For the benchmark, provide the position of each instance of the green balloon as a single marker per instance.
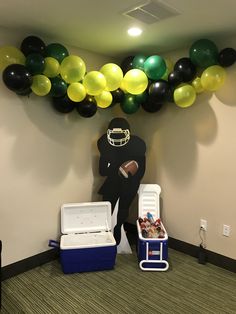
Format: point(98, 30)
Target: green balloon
point(204, 53)
point(141, 98)
point(57, 51)
point(59, 87)
point(154, 67)
point(138, 62)
point(129, 104)
point(35, 63)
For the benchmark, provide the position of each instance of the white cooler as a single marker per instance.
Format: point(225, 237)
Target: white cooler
point(87, 243)
point(152, 252)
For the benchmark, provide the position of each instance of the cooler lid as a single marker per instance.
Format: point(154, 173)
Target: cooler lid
point(85, 217)
point(149, 200)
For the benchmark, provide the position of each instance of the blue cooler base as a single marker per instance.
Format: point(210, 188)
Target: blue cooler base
point(154, 252)
point(88, 259)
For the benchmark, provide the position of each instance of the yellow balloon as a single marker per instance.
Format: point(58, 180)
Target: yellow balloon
point(135, 81)
point(41, 85)
point(197, 85)
point(184, 95)
point(169, 64)
point(169, 68)
point(122, 87)
point(76, 92)
point(104, 100)
point(72, 69)
point(165, 76)
point(52, 67)
point(10, 55)
point(113, 75)
point(213, 78)
point(94, 83)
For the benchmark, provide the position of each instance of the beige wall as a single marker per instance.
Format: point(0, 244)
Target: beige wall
point(191, 154)
point(48, 159)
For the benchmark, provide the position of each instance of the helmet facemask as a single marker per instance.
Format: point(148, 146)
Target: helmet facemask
point(118, 136)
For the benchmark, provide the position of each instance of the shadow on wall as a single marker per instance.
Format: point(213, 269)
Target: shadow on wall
point(46, 144)
point(172, 136)
point(97, 179)
point(179, 139)
point(227, 93)
point(50, 154)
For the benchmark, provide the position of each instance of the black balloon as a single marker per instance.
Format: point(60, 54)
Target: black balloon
point(87, 108)
point(151, 106)
point(63, 104)
point(117, 96)
point(186, 68)
point(175, 78)
point(159, 91)
point(25, 92)
point(171, 94)
point(126, 64)
point(17, 78)
point(32, 44)
point(227, 57)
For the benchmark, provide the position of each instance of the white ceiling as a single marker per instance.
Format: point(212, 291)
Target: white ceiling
point(100, 26)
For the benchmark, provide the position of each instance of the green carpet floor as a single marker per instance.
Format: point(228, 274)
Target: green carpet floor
point(187, 287)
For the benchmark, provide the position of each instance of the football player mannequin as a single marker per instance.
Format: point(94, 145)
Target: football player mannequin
point(116, 147)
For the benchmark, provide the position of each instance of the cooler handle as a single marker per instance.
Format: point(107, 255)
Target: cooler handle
point(53, 243)
point(156, 262)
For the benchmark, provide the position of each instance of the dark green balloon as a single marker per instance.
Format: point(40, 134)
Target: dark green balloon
point(203, 53)
point(138, 62)
point(59, 87)
point(35, 63)
point(129, 104)
point(57, 51)
point(141, 98)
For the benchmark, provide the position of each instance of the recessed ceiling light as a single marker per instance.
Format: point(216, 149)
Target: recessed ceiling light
point(134, 31)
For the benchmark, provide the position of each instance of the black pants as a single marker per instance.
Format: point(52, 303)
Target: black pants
point(125, 200)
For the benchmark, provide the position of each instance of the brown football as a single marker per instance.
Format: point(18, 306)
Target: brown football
point(130, 166)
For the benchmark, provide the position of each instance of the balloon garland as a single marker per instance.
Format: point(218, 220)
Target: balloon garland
point(140, 81)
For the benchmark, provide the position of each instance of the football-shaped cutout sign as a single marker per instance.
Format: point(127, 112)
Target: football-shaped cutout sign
point(128, 167)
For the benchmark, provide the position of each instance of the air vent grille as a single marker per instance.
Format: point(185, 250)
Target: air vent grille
point(152, 12)
point(142, 16)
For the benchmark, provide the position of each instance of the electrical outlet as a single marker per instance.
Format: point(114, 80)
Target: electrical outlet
point(226, 230)
point(203, 224)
